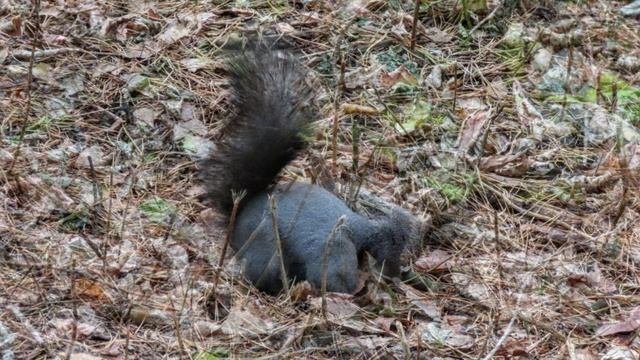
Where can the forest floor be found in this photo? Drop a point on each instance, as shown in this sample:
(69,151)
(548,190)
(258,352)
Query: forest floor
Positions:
(512,130)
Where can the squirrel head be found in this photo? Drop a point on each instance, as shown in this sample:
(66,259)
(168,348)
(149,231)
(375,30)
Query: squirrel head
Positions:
(398,231)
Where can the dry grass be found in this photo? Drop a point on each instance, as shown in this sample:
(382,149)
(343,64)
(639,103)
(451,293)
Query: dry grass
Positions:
(106,250)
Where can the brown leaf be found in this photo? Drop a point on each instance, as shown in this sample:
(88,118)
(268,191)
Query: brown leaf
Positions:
(492,163)
(429,307)
(249,321)
(358,109)
(473,125)
(89,289)
(436,260)
(339,305)
(632,323)
(401,74)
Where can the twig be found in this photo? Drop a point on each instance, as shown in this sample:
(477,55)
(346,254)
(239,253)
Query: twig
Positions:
(72,296)
(237,197)
(508,329)
(183,351)
(416,12)
(276,233)
(338,95)
(26,54)
(35,41)
(503,338)
(487,18)
(325,262)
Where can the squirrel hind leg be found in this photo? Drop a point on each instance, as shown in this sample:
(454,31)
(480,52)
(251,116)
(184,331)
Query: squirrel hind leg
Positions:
(262,269)
(342,268)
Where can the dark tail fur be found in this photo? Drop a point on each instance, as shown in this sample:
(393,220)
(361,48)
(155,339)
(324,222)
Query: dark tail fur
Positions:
(273,111)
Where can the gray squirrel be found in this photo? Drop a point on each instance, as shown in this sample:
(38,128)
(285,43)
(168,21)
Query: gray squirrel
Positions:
(273,115)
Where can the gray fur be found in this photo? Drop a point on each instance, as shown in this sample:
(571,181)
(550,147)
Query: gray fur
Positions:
(266,133)
(306,216)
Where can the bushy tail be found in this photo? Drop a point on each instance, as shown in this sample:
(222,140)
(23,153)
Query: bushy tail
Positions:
(273,111)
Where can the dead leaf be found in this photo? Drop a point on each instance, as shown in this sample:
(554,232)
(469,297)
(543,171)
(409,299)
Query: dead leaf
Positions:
(358,109)
(438,36)
(175,31)
(429,307)
(631,323)
(491,163)
(80,356)
(250,322)
(195,64)
(399,75)
(91,290)
(301,291)
(285,28)
(97,158)
(440,334)
(339,306)
(145,116)
(472,129)
(436,260)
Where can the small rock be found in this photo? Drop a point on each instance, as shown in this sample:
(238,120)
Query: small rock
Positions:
(620,353)
(563,26)
(435,77)
(542,60)
(631,9)
(514,36)
(5,158)
(145,116)
(137,82)
(629,63)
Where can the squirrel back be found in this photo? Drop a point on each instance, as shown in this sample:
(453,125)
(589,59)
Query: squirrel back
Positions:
(272,116)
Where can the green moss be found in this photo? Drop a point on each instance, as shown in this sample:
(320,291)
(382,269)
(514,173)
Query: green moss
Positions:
(75,220)
(157,209)
(214,354)
(396,56)
(452,192)
(46,123)
(416,116)
(628,95)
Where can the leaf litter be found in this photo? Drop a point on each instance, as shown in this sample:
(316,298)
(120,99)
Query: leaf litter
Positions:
(512,130)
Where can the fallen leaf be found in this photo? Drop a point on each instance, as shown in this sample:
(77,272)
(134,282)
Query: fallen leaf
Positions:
(175,31)
(358,109)
(399,75)
(631,323)
(247,322)
(89,289)
(472,129)
(436,260)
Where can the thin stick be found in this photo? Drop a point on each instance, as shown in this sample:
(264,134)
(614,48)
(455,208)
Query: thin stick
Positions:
(567,87)
(455,87)
(276,233)
(72,295)
(598,88)
(35,41)
(336,102)
(614,97)
(237,197)
(416,12)
(325,262)
(503,338)
(624,169)
(508,329)
(96,202)
(489,17)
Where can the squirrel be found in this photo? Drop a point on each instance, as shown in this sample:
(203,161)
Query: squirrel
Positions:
(273,116)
